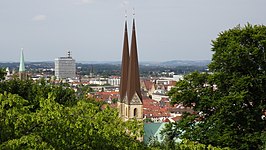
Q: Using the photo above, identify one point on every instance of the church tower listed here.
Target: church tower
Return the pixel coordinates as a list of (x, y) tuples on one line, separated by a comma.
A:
[(22, 71), (130, 103)]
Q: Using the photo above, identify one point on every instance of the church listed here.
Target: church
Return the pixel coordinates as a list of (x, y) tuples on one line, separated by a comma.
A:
[(130, 104)]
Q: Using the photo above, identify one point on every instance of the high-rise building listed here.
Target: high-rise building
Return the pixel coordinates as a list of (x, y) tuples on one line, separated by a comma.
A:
[(22, 71), (130, 103), (65, 67)]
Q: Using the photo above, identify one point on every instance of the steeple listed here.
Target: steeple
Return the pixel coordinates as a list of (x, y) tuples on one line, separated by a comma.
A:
[(22, 64), (124, 66), (91, 71), (22, 71), (130, 104), (133, 70)]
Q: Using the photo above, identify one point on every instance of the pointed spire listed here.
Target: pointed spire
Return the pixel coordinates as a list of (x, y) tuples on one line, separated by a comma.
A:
[(22, 64), (91, 71), (133, 72), (124, 66)]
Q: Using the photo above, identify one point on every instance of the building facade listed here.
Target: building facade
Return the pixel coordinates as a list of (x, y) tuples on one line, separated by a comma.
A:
[(114, 81), (65, 67), (130, 103)]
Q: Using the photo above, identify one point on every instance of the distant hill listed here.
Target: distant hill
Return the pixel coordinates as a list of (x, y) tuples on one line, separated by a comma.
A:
[(100, 62), (172, 63), (186, 63)]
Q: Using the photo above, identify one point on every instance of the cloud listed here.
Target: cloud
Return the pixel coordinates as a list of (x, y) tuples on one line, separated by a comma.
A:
[(39, 18), (124, 3), (85, 2)]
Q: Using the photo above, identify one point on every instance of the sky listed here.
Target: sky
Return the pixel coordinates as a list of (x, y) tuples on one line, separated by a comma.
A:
[(93, 29)]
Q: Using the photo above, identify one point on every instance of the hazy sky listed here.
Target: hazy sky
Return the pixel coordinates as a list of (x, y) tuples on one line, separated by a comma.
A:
[(93, 29)]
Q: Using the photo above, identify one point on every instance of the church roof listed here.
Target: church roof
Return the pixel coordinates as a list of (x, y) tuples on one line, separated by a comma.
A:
[(153, 130)]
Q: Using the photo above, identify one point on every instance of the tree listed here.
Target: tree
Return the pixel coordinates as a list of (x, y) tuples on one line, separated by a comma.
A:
[(55, 126), (2, 74), (33, 91), (183, 145), (43, 116), (231, 100), (83, 90)]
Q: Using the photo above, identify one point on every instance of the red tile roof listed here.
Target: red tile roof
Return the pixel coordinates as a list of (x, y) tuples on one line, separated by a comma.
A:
[(148, 84), (151, 108), (106, 95)]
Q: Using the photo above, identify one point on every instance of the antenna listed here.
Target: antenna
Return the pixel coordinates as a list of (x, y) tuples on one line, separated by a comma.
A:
[(69, 54)]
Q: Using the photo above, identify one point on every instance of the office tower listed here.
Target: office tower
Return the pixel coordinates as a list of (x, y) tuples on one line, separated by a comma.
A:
[(65, 67)]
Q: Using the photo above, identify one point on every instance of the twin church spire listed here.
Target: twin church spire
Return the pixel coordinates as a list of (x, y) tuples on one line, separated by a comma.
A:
[(130, 82), (130, 101)]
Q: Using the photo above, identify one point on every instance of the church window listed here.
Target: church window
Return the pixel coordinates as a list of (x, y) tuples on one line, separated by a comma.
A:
[(135, 112), (126, 111)]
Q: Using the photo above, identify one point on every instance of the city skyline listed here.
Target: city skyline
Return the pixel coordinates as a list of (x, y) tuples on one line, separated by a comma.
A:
[(91, 29)]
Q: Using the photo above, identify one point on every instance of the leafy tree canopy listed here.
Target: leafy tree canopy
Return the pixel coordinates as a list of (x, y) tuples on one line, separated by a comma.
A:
[(44, 116), (231, 100), (55, 126), (2, 73), (33, 91)]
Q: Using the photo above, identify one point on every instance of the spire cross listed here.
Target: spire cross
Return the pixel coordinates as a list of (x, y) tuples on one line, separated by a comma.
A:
[(134, 12), (126, 14)]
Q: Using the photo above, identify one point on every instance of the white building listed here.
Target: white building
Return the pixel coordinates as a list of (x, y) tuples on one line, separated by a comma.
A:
[(178, 77), (98, 81), (114, 80), (65, 67)]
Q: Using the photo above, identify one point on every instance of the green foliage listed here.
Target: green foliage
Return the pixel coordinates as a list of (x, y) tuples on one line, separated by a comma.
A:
[(114, 101), (231, 100), (31, 141), (2, 73), (263, 138), (184, 145), (55, 126), (43, 116), (33, 91), (189, 145), (14, 111), (83, 90), (147, 120)]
